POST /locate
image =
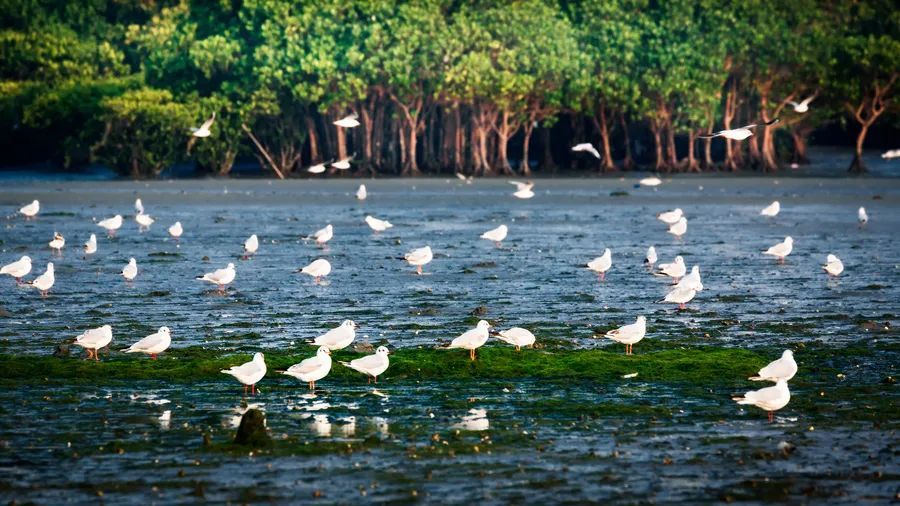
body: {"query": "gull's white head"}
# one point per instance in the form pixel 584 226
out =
pixel 164 331
pixel 258 357
pixel 787 354
pixel 230 266
pixel 382 350
pixel 349 323
pixel 26 258
pixel 483 324
pixel 50 267
pixel 132 261
pixel 679 260
pixel 831 258
pixel 323 350
pixel 789 240
pixel 695 269
pixel 642 319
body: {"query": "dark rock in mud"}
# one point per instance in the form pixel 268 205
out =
pixel 363 348
pixel 252 431
pixel 62 350
pixel 479 311
pixel 4 313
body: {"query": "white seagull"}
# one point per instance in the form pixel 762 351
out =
pixel 45 281
pixel 316 169
pixel 770 399
pixel 312 369
pixel 601 264
pixel 349 121
pixel 339 337
pixel 138 206
pixel 58 242
pixel 176 230
pixel 342 164
pixel 323 235
pixel 361 192
pixel 318 269
pixel 781 249
pixel 90 247
pixel 670 217
pixel 679 227
pixel 523 190
pixel 737 134
pixel 31 210
pixel 680 296
pixel 862 216
pixel 18 269
pixel 692 280
pixel 517 336
pixel 220 277
pixel 152 345
pixel 802 106
pixel 130 271
pixel 472 339
pixel 629 334
pixel 203 131
pixel 371 365
pixel 496 234
pixel 250 246
pixel 782 369
pixel 378 225
pixel 674 270
pixel 111 224
pixel 887 155
pixel 465 179
pixel 144 221
pixel 771 210
pixel 249 373
pixel 651 257
pixel 833 266
pixel 650 181
pixel 419 257
pixel 588 148
pixel 93 340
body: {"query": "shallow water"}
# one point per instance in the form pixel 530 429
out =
pixel 681 443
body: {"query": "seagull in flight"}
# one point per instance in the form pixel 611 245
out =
pixel 203 131
pixel 803 106
pixel 737 134
pixel 349 121
pixel 587 147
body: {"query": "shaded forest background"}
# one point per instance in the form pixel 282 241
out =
pixel 443 85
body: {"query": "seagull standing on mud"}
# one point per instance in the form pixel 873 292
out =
pixel 782 369
pixel 674 270
pixel 251 245
pixel 176 230
pixel 601 264
pixel 472 339
pixel 111 225
pixel 45 281
pixel 419 257
pixel 630 334
pixel 31 210
pixel 516 336
pixel 92 340
pixel 130 271
pixel 377 225
pixel 220 277
pixel 496 234
pixel 152 345
pixel 249 373
pixel 318 269
pixel 312 369
pixel 18 269
pixel 781 250
pixel 770 399
pixel 339 337
pixel 90 247
pixel 833 266
pixel 371 365
pixel 771 210
pixel 670 217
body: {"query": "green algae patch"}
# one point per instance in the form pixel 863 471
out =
pixel 703 364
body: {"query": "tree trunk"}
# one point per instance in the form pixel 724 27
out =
pixel 547 162
pixel 527 129
pixel 657 141
pixel 459 139
pixel 312 139
pixel 606 164
pixel 731 103
pixel 672 157
pixel 857 165
pixel 799 136
pixel 628 163
pixel 504 131
pixel 692 165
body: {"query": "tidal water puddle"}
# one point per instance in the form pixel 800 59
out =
pixel 496 441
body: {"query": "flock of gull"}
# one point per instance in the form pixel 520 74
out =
pixel 685 286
